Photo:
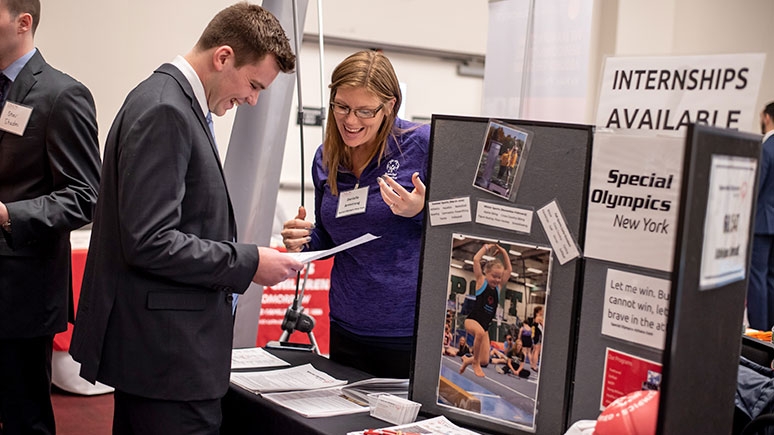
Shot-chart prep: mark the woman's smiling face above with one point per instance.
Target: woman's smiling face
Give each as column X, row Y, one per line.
column 356, row 131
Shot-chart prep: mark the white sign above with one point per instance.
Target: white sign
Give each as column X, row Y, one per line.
column 666, row 93
column 636, row 308
column 502, row 216
column 727, row 224
column 634, row 192
column 559, row 236
column 449, row 211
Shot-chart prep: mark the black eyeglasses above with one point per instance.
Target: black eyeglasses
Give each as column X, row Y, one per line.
column 342, row 110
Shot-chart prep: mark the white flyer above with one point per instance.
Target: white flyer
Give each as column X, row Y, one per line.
column 727, row 224
column 449, row 211
column 555, row 226
column 309, row 256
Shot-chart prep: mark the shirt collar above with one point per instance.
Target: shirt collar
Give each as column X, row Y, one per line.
column 768, row 135
column 194, row 80
column 15, row 68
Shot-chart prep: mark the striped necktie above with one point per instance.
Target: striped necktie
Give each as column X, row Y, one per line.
column 210, row 125
column 212, row 132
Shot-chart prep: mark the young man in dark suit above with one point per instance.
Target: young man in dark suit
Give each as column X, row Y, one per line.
column 154, row 318
column 49, row 176
column 760, row 291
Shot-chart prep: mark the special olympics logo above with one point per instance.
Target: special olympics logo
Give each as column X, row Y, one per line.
column 392, row 169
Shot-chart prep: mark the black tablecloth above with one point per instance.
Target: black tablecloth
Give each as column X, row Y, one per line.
column 248, row 413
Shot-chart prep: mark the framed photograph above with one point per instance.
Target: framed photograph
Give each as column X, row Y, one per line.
column 502, row 160
column 492, row 341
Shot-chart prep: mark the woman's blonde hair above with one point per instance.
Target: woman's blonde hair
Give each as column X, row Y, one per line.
column 372, row 71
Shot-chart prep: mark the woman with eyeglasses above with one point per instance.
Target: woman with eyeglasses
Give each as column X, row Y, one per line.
column 368, row 179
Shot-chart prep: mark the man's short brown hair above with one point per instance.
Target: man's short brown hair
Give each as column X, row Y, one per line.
column 252, row 32
column 32, row 7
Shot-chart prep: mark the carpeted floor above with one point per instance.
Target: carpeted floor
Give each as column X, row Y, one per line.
column 82, row 415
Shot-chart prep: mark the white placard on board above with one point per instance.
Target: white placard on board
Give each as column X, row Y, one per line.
column 634, row 191
column 636, row 308
column 727, row 223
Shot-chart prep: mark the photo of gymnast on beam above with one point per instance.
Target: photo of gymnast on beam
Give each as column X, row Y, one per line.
column 496, row 302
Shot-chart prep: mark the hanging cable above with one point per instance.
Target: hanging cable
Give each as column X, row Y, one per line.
column 296, row 38
column 323, row 100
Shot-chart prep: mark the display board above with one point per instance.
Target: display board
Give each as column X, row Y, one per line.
column 626, row 280
column 646, row 328
column 714, row 242
column 485, row 202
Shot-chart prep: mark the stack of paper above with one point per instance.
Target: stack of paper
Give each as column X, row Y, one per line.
column 304, row 377
column 348, row 399
column 254, row 358
column 360, row 390
column 394, row 409
column 317, row 403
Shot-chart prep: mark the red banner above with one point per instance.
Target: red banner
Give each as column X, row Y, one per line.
column 277, row 299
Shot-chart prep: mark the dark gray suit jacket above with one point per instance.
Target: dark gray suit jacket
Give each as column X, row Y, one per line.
column 764, row 212
column 154, row 317
column 49, row 178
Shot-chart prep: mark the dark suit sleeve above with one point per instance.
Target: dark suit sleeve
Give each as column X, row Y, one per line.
column 73, row 162
column 767, row 155
column 173, row 204
column 764, row 218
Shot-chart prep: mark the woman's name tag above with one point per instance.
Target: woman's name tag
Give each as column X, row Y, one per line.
column 352, row 202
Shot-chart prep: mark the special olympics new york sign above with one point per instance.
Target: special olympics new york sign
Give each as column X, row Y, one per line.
column 634, row 192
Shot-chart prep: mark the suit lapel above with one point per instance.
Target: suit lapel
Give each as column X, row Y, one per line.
column 26, row 79
column 176, row 74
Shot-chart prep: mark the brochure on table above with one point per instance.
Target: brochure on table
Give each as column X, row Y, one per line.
column 304, row 377
column 349, row 399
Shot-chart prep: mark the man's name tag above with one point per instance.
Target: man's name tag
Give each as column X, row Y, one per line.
column 14, row 118
column 352, row 202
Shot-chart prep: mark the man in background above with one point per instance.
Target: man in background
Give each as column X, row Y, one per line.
column 760, row 292
column 155, row 314
column 49, row 176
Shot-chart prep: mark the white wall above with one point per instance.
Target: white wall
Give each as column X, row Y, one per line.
column 450, row 25
column 112, row 45
column 665, row 27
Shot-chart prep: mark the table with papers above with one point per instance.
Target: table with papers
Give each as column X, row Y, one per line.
column 248, row 412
